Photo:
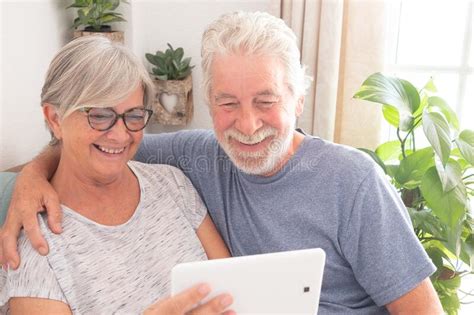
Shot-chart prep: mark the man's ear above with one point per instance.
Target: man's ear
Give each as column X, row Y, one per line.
column 51, row 117
column 299, row 106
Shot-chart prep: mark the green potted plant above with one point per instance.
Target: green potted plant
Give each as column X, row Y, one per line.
column 95, row 16
column 436, row 182
column 173, row 81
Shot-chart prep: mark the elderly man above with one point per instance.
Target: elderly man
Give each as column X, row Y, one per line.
column 270, row 188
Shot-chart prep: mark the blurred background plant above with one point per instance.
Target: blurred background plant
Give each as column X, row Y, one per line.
column 170, row 64
column 95, row 15
column 431, row 163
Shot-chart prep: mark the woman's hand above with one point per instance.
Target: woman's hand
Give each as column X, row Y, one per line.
column 186, row 303
column 32, row 194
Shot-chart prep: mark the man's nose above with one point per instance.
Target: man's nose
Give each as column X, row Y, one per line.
column 248, row 120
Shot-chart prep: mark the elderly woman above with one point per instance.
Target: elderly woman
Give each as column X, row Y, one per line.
column 126, row 224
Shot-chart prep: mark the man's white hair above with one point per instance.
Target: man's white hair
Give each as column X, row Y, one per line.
column 253, row 33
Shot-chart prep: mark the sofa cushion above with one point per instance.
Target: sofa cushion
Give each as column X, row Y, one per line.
column 7, row 181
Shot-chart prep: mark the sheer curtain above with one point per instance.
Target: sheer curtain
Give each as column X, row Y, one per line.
column 342, row 42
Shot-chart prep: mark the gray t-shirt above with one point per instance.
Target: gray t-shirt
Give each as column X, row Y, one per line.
column 122, row 269
column 328, row 195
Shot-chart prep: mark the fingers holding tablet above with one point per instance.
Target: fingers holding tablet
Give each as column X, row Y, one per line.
column 187, row 302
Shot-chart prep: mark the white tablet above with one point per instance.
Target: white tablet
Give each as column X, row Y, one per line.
column 276, row 283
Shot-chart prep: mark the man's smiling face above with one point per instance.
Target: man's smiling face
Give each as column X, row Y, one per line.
column 253, row 111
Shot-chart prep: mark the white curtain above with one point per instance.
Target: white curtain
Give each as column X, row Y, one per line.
column 342, row 43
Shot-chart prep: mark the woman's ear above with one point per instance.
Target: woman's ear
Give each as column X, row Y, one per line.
column 51, row 117
column 300, row 106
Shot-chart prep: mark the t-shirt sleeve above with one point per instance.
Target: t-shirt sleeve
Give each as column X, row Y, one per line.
column 380, row 244
column 178, row 149
column 187, row 150
column 158, row 149
column 34, row 278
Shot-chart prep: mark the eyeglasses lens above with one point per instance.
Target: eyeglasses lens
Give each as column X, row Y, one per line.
column 136, row 119
column 101, row 118
column 104, row 118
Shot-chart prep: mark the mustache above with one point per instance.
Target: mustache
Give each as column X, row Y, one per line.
column 260, row 135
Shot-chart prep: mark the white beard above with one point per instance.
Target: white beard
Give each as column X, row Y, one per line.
column 261, row 162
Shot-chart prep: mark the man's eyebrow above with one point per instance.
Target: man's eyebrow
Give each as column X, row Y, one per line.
column 223, row 95
column 267, row 93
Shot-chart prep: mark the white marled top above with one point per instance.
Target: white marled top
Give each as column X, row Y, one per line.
column 122, row 269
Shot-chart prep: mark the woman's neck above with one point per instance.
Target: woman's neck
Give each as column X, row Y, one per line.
column 107, row 200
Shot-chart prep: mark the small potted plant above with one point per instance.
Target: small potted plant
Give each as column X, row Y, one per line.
column 173, row 81
column 96, row 15
column 435, row 181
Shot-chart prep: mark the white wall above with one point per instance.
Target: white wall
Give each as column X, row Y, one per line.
column 32, row 31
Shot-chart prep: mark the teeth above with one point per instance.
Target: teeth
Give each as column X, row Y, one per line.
column 111, row 150
column 250, row 142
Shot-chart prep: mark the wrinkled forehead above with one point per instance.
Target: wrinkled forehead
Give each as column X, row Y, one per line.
column 247, row 72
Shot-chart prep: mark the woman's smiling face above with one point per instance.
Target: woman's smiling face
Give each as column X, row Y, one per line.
column 101, row 155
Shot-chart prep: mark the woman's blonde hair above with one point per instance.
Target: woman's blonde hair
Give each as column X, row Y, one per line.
column 94, row 71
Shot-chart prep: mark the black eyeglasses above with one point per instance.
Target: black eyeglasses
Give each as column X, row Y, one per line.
column 104, row 118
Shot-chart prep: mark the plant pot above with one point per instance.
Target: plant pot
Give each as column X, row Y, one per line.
column 174, row 101
column 105, row 30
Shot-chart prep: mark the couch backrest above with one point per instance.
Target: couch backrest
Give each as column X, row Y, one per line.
column 7, row 181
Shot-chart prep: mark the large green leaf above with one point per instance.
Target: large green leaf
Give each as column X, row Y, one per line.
column 175, row 64
column 451, row 117
column 398, row 93
column 452, row 283
column 453, row 236
column 185, row 63
column 437, row 132
column 423, row 104
column 160, row 54
column 87, row 11
column 78, row 4
column 449, row 206
column 151, row 59
column 413, row 167
column 389, row 150
column 391, row 115
column 184, row 74
column 425, row 220
column 75, row 5
column 392, row 170
column 111, row 17
column 465, row 143
column 77, row 22
column 467, row 251
column 451, row 303
column 114, row 4
column 436, row 256
column 178, row 54
column 470, row 244
column 450, row 175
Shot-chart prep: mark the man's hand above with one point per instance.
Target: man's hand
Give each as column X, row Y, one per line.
column 187, row 301
column 32, row 194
